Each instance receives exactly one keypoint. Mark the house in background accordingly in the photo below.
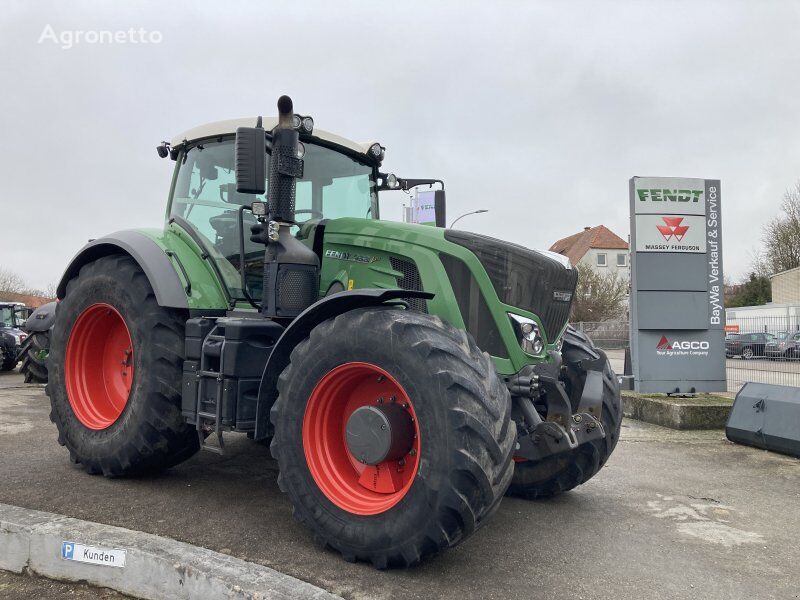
(26, 299)
(598, 247)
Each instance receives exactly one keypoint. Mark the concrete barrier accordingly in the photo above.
(155, 567)
(700, 412)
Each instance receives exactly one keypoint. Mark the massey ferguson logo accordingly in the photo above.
(675, 233)
(672, 227)
(665, 347)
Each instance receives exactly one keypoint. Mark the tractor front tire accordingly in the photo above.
(562, 472)
(457, 461)
(34, 357)
(115, 373)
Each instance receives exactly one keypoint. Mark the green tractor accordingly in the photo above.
(406, 376)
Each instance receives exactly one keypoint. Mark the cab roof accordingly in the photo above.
(229, 127)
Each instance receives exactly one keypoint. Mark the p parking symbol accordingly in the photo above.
(67, 550)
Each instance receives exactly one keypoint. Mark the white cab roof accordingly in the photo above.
(229, 126)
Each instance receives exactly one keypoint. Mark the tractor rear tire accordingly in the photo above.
(460, 459)
(34, 357)
(562, 472)
(115, 373)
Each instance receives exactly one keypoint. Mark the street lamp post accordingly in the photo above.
(474, 212)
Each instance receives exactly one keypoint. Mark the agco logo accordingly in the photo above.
(672, 227)
(680, 347)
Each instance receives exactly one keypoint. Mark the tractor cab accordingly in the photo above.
(12, 317)
(340, 178)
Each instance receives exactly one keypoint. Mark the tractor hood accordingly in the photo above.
(532, 280)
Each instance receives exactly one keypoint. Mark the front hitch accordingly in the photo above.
(538, 390)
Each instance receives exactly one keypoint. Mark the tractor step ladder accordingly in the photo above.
(206, 418)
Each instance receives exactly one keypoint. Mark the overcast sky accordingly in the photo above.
(538, 111)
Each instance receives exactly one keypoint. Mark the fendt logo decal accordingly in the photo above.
(359, 258)
(665, 347)
(665, 195)
(672, 227)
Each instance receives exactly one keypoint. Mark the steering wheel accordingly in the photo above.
(227, 223)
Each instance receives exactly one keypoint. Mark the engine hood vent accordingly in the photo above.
(528, 279)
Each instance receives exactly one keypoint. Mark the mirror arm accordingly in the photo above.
(407, 184)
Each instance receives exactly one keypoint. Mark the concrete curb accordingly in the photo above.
(676, 415)
(155, 568)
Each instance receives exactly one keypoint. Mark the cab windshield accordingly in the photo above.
(7, 317)
(204, 195)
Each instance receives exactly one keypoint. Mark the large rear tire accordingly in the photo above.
(457, 463)
(115, 373)
(34, 357)
(562, 472)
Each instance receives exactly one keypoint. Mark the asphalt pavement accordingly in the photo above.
(673, 515)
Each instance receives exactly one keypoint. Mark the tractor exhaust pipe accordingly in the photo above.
(285, 166)
(291, 269)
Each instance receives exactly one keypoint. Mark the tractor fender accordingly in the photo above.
(299, 329)
(166, 283)
(42, 318)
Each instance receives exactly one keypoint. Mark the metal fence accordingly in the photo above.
(764, 349)
(608, 335)
(759, 349)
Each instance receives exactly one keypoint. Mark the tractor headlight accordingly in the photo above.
(300, 151)
(528, 334)
(307, 125)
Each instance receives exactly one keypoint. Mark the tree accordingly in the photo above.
(781, 250)
(11, 282)
(598, 296)
(13, 287)
(755, 291)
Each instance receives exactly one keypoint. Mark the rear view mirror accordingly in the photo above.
(251, 160)
(440, 208)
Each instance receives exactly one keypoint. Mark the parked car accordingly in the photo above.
(786, 345)
(747, 345)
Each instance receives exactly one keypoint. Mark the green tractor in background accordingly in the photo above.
(407, 376)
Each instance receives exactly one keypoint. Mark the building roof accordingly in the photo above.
(779, 273)
(228, 127)
(31, 300)
(599, 237)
